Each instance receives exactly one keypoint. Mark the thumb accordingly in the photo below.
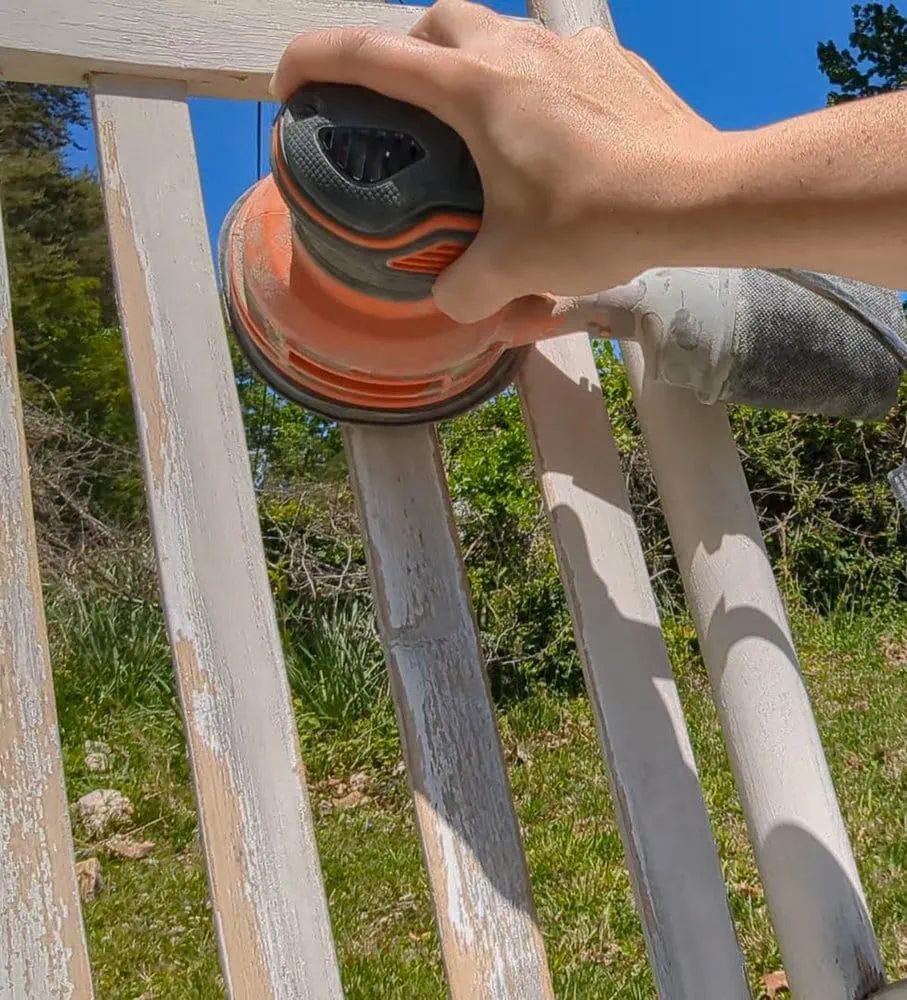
(477, 284)
(611, 313)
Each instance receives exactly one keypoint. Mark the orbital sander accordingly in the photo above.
(327, 267)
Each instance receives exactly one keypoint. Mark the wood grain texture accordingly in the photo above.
(490, 939)
(227, 48)
(802, 849)
(269, 903)
(607, 582)
(567, 17)
(668, 843)
(43, 955)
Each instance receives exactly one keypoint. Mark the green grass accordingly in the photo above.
(150, 928)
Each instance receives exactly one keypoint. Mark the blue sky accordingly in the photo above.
(738, 64)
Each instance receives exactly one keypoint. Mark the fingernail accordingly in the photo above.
(272, 86)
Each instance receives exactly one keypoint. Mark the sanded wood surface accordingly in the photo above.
(802, 849)
(227, 48)
(668, 843)
(43, 955)
(567, 17)
(269, 904)
(490, 939)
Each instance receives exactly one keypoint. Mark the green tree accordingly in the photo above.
(877, 60)
(63, 305)
(79, 418)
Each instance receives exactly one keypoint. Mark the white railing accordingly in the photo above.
(140, 62)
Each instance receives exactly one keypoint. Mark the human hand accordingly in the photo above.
(590, 164)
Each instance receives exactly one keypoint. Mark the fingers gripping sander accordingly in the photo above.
(327, 267)
(328, 264)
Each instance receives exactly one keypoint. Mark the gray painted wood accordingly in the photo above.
(668, 843)
(43, 955)
(490, 938)
(225, 49)
(269, 903)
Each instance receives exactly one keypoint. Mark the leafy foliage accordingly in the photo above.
(286, 442)
(877, 59)
(151, 931)
(336, 667)
(36, 118)
(70, 357)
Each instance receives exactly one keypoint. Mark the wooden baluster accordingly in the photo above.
(43, 954)
(256, 823)
(490, 938)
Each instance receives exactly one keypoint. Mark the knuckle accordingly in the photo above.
(355, 41)
(533, 32)
(434, 15)
(453, 22)
(443, 8)
(447, 12)
(593, 37)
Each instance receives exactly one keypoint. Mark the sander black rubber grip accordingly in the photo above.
(384, 195)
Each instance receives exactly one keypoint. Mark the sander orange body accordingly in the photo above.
(327, 264)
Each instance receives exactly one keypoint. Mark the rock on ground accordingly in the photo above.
(98, 756)
(126, 847)
(104, 809)
(88, 873)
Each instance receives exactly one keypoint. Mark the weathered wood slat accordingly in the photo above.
(810, 877)
(490, 939)
(811, 882)
(43, 954)
(266, 885)
(670, 850)
(225, 49)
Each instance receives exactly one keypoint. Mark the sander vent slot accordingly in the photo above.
(368, 155)
(430, 260)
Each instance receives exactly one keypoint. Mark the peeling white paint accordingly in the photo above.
(458, 917)
(269, 903)
(205, 721)
(260, 845)
(668, 844)
(42, 946)
(224, 49)
(489, 933)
